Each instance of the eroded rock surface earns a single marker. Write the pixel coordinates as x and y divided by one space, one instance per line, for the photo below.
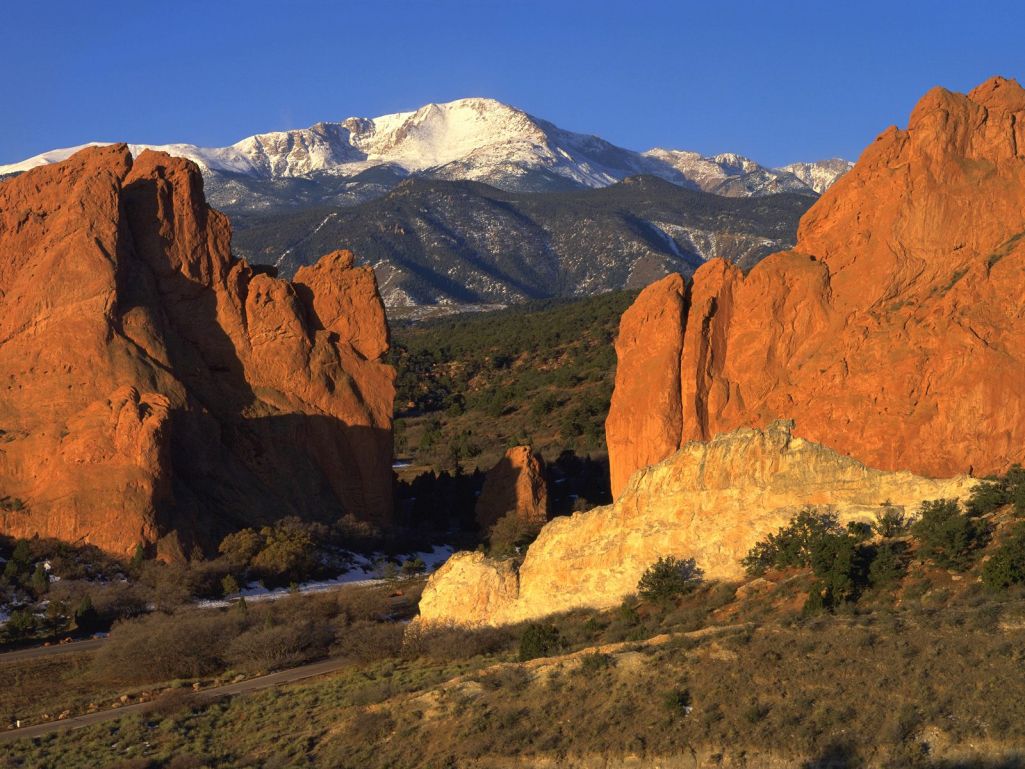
893 332
154 388
711 501
515 486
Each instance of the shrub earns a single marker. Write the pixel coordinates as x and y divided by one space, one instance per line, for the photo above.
837 561
511 678
358 604
677 702
86 617
627 612
948 537
511 535
229 585
366 641
596 662
21 624
451 642
889 564
993 493
861 531
278 646
288 551
667 578
891 521
240 547
1006 566
413 567
539 640
164 647
791 546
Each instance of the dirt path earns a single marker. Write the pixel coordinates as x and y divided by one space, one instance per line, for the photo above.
35 652
242 687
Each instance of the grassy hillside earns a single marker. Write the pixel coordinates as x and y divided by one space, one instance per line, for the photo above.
921 669
541 374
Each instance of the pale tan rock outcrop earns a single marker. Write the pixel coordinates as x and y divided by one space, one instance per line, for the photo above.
155 388
894 331
711 501
516 485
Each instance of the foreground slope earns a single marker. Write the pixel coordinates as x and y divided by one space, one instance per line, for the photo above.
892 331
158 390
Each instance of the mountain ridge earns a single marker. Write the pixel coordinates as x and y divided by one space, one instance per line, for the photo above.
475 139
439 242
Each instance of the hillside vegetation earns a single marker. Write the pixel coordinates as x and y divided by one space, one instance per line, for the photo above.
468 243
472 385
918 666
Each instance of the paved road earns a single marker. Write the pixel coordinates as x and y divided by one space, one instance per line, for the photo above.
32 653
242 687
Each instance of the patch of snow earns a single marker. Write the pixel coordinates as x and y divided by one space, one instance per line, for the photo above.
365 572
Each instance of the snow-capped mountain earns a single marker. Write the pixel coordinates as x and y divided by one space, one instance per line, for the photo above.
821 174
730 174
468 139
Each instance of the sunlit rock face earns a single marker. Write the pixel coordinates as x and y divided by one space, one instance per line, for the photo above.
894 331
710 501
158 391
515 486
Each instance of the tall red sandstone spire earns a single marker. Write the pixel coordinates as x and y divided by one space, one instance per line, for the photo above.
153 387
894 330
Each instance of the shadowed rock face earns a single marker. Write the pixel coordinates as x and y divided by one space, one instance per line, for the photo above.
155 389
711 501
893 332
515 486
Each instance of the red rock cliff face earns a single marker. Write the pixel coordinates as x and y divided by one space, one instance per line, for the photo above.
894 331
154 388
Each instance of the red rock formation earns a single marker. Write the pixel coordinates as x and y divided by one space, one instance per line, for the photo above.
895 329
515 486
155 387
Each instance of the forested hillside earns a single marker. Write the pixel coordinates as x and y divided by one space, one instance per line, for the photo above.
471 385
434 241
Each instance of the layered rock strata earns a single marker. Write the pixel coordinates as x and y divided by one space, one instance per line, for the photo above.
156 389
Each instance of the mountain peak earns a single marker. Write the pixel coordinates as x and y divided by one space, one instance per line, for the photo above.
474 138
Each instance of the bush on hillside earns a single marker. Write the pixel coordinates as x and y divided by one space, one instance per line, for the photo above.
889 565
891 521
511 535
993 493
668 578
946 536
840 565
447 642
539 640
1006 567
792 545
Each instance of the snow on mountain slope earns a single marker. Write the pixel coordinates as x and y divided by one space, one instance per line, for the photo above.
729 174
821 174
474 139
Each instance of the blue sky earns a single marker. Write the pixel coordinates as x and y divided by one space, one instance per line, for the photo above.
778 81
